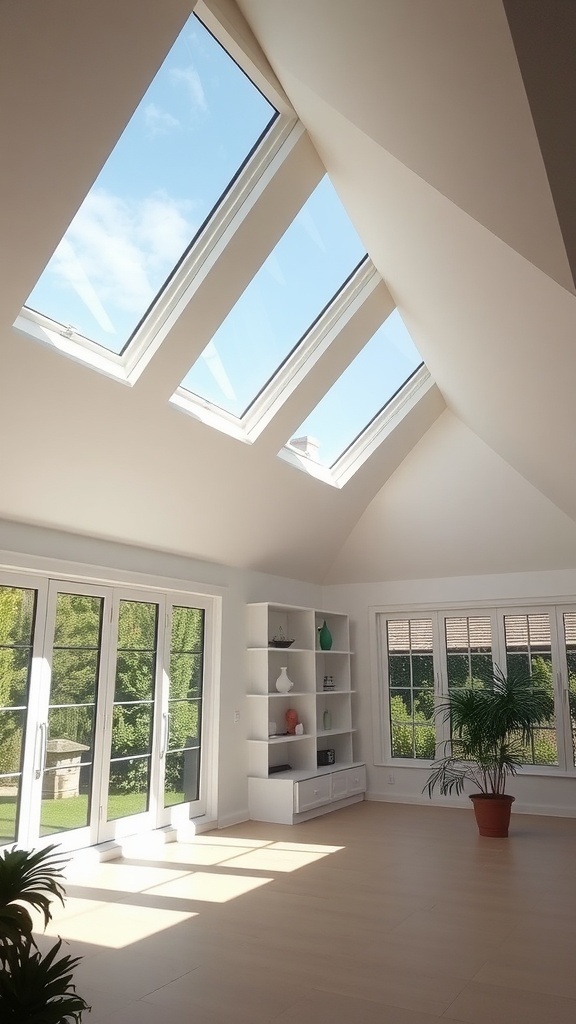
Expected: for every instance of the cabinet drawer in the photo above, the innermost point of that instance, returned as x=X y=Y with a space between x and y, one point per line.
x=356 y=779
x=340 y=785
x=312 y=793
x=348 y=782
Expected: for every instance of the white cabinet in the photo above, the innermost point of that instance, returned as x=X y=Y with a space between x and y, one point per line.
x=288 y=776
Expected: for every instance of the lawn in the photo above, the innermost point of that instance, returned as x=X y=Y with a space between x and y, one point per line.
x=62 y=815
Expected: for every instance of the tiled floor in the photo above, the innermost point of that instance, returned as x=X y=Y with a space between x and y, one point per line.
x=377 y=914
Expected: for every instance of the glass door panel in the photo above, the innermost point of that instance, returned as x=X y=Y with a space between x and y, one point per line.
x=70 y=731
x=129 y=784
x=17 y=617
x=182 y=760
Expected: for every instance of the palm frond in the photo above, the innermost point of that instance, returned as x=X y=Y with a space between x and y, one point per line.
x=32 y=877
x=36 y=989
x=490 y=725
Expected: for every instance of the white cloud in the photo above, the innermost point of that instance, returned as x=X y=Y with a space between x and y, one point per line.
x=118 y=252
x=191 y=79
x=159 y=122
x=69 y=267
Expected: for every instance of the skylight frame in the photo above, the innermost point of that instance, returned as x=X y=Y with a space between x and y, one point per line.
x=374 y=434
x=354 y=291
x=204 y=249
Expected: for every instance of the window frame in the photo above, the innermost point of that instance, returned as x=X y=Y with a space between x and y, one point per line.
x=566 y=766
x=204 y=250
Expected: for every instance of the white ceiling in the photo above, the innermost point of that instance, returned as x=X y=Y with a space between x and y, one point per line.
x=419 y=112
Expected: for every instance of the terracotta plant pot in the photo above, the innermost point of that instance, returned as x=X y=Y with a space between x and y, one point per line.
x=492 y=814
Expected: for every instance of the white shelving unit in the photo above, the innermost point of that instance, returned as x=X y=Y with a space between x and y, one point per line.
x=303 y=789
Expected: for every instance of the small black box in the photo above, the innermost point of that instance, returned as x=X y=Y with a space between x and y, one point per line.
x=325 y=757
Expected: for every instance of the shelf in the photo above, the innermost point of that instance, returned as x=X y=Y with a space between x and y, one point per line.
x=300 y=774
x=291 y=693
x=333 y=732
x=278 y=796
x=274 y=740
x=332 y=693
x=284 y=650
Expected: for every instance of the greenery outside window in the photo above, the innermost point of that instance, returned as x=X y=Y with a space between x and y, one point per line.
x=424 y=657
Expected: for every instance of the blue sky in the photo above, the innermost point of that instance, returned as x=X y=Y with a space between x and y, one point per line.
x=193 y=129
x=195 y=125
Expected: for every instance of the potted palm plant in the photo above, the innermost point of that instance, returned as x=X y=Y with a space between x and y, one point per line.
x=491 y=725
x=34 y=989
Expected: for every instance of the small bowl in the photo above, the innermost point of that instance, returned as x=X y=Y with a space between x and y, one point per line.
x=280 y=643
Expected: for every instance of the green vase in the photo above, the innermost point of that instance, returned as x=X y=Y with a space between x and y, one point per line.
x=325 y=637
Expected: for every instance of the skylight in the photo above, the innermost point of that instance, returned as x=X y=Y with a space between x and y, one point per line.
x=186 y=142
x=368 y=383
x=310 y=263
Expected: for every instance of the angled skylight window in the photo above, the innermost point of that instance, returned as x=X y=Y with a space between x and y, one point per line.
x=300 y=277
x=368 y=383
x=186 y=142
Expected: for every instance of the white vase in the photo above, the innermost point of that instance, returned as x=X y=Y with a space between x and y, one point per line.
x=283 y=683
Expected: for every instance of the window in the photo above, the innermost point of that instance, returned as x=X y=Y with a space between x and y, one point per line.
x=102 y=714
x=300 y=277
x=182 y=776
x=468 y=650
x=410 y=652
x=368 y=383
x=529 y=652
x=569 y=634
x=422 y=658
x=189 y=138
x=17 y=621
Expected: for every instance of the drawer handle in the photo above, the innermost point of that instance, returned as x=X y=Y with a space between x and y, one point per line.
x=315 y=792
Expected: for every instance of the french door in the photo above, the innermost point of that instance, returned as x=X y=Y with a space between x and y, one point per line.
x=101 y=711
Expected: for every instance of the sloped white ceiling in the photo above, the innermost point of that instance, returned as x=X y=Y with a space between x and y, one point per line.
x=419 y=112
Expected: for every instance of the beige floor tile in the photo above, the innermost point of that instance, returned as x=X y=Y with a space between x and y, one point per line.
x=137 y=1012
x=209 y=994
x=325 y=1008
x=534 y=966
x=210 y=887
x=131 y=976
x=496 y=1004
x=412 y=920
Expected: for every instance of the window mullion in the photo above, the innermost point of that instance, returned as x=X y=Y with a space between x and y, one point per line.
x=562 y=693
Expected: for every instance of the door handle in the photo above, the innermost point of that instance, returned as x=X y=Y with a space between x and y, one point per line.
x=165 y=733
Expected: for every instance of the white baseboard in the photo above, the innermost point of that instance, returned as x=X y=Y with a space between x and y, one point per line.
x=459 y=803
x=235 y=818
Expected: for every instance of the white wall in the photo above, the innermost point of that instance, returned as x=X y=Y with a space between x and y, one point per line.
x=24 y=546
